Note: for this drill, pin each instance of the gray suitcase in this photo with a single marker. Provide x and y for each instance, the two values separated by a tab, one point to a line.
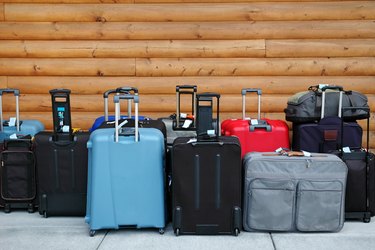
289	194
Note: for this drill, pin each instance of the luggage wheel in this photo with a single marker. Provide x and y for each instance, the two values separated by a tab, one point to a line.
92	233
7	208
366	220
236	232
45	214
161	230
30	208
177	232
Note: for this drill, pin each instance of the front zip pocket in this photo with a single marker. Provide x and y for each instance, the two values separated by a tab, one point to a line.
319	205
270	204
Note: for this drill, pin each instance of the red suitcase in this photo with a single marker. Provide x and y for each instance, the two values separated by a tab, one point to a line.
260	135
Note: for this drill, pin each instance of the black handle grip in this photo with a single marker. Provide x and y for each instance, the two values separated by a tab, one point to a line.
192	87
118	90
251	90
117	98
202	96
60	92
8	90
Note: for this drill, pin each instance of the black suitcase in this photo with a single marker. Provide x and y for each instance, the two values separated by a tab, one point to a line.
18	175
61	158
325	136
206	182
360	187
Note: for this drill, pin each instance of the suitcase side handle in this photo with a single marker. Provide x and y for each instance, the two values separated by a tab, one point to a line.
120	90
193	93
116	100
16	93
243	93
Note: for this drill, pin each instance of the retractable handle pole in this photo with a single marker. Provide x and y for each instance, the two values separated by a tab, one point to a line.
250	90
339	88
16	93
120	90
61	110
208	97
193	91
116	100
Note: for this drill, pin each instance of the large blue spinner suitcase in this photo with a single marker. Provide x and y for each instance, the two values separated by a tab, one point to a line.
126	176
19	128
110	118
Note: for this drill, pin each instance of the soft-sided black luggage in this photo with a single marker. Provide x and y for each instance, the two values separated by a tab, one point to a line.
206	182
17	175
325	136
307	106
61	158
360	187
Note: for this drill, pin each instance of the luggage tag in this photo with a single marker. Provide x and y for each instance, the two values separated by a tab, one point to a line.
187	123
346	150
12	122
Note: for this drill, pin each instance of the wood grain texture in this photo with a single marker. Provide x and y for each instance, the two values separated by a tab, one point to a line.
129	49
2	18
154	103
320	48
188	30
67	67
160	1
3	82
190	12
287	85
256	66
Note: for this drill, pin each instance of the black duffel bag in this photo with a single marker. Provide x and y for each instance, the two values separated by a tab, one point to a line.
306	106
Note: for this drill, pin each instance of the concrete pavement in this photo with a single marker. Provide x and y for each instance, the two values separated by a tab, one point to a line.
21	230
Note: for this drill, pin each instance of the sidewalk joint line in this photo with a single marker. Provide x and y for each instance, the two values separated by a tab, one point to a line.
273	242
105	235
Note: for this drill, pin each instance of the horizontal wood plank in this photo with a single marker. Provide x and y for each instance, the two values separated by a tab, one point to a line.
190	12
2	12
154	103
166	85
160	1
188	30
256	66
66	67
3	82
129	49
320	47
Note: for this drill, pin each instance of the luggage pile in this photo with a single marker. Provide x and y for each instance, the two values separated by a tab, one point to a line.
206	177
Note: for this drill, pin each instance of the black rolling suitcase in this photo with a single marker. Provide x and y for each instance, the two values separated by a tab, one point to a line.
61	158
17	175
206	180
360	187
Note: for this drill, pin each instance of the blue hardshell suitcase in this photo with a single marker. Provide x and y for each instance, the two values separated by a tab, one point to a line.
126	176
110	118
20	128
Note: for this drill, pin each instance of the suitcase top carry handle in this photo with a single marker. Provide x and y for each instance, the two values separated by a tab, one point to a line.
60	92
120	90
250	90
16	93
193	93
116	100
208	97
340	89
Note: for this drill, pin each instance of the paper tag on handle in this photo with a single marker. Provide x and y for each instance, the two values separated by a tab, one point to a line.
187	123
12	121
13	136
254	121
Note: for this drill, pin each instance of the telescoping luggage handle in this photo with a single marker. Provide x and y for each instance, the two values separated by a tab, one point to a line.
208	97
120	90
183	89
118	126
16	93
258	124
340	89
62	123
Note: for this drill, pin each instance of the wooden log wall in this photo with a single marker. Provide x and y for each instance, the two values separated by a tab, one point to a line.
89	46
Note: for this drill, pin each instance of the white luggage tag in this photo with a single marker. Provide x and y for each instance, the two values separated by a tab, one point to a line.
346	150
65	129
322	86
192	140
12	122
183	115
13	136
187	123
254	122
